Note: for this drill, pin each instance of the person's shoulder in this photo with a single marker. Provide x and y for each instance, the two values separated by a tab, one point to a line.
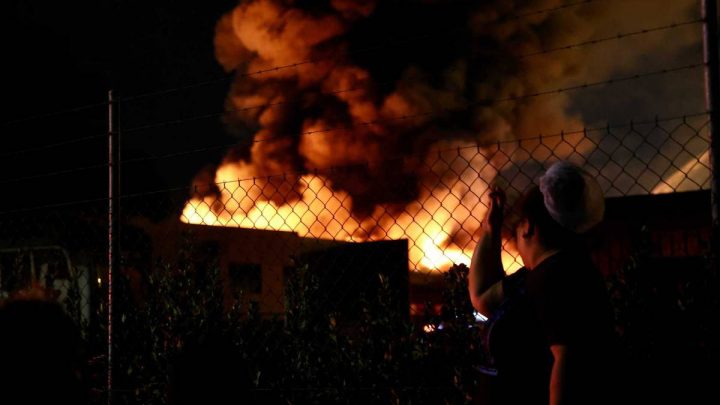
564	269
518	274
567	261
515	283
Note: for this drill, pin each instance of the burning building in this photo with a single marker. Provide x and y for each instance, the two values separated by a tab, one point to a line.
256	265
354	127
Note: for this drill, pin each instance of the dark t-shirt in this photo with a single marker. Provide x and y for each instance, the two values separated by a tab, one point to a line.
563	301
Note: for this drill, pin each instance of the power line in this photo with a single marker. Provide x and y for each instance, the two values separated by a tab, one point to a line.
271	105
600	83
297	64
517	98
431	113
553	9
54	113
53	145
611	38
605	128
239	109
183	87
273	68
541	137
178	154
53	174
591	42
51	206
608	127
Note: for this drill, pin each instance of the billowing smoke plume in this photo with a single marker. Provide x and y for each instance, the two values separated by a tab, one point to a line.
347	111
362	66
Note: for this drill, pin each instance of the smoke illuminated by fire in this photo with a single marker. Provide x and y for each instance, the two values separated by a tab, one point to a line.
389	188
325	85
439	225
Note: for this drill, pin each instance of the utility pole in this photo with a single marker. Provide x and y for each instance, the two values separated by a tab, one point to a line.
712	101
113	228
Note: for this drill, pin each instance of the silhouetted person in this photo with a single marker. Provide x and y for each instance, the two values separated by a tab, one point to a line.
40	355
552	327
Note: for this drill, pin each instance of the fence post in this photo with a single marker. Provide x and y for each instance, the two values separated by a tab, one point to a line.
712	101
113	211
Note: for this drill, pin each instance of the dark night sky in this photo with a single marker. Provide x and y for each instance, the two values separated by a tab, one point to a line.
62	55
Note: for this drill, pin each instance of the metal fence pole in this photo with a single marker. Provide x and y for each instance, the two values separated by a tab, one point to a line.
113	211
712	101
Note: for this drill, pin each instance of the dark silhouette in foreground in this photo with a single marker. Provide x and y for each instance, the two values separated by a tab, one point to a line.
40	355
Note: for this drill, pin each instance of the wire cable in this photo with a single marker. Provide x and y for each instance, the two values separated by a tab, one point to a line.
271	105
591	42
540	137
611	38
611	81
53	114
53	174
51	206
53	145
297	64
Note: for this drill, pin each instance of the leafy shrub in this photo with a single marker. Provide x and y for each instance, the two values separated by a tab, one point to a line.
308	355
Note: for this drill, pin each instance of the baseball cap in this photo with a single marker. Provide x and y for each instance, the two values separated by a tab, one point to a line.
572	197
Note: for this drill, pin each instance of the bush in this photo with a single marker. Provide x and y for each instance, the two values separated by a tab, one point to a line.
178	339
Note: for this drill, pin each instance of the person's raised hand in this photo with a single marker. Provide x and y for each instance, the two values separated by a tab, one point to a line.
494	215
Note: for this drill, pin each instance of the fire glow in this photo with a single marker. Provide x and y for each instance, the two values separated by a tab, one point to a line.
321	85
441	226
308	97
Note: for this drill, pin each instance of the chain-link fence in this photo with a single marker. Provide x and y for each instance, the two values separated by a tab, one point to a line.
273	267
296	213
291	251
281	266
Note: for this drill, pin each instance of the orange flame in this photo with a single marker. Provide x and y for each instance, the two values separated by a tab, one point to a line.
441	226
